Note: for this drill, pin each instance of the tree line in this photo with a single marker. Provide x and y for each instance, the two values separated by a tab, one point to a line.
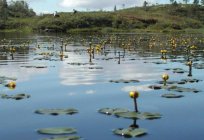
15	9
195	2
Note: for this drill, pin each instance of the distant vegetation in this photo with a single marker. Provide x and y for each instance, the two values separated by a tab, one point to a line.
162	18
12	14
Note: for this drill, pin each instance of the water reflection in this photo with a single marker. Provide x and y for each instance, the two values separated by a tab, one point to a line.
109	70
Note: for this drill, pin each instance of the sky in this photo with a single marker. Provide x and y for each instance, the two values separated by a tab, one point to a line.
50	6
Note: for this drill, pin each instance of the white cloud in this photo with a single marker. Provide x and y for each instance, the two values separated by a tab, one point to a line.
94	4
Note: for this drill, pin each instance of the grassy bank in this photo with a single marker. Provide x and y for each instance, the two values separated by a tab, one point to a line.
160	18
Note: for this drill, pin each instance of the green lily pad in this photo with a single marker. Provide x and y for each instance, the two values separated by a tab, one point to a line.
15	97
56	131
138	115
130	132
198	65
168	82
63	138
159	63
124	81
177	70
69	111
174	88
96	68
4	80
182	89
34	66
171	95
189	80
155	87
111	111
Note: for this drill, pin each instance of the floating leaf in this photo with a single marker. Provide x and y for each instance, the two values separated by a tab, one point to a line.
16	97
69	111
189	80
97	68
198	66
130	132
63	138
56	131
110	111
155	87
182	89
37	66
174	88
168	82
171	95
177	70
124	81
138	115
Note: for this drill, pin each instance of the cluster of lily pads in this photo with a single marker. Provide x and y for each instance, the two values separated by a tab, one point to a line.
59	133
52	53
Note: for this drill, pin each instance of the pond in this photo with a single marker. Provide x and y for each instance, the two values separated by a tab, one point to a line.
59	82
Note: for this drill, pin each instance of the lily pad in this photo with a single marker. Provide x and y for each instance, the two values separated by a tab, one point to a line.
124	81
168	82
37	66
177	70
63	138
189	80
111	111
198	65
171	95
138	115
130	132
4	80
15	97
155	87
182	89
69	111
97	68
57	131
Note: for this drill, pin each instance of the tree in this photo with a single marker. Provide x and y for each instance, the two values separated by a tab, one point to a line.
3	10
20	9
196	2
186	1
145	5
202	2
171	1
115	8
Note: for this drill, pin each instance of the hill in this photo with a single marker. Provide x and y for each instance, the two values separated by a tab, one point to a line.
159	18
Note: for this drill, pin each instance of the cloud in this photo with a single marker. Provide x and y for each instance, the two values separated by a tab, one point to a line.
94	4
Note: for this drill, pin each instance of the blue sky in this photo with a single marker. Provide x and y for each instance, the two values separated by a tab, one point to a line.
50	6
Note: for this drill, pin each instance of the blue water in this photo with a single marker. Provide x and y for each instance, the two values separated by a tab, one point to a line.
62	85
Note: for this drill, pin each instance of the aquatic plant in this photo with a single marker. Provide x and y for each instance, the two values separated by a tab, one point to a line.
165	77
134	95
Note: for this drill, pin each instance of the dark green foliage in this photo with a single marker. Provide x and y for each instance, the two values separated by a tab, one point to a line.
196	2
172	1
186	1
202	2
20	9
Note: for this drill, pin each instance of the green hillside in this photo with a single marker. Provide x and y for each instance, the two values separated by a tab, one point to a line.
159	18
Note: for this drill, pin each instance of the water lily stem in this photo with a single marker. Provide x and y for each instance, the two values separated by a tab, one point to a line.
190	70
135	103
119	58
164	82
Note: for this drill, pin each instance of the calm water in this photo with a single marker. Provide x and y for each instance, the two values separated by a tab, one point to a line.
62	85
